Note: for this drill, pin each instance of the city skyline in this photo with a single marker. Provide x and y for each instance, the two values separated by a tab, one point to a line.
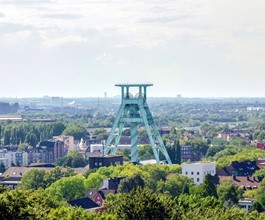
203	49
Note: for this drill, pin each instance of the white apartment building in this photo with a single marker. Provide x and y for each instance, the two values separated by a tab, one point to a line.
197	171
10	156
14	158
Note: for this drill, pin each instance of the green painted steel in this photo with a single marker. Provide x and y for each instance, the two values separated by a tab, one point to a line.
134	111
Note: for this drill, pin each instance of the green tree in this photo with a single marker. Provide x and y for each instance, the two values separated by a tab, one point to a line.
72	159
198	145
93	181
213	150
77	131
23	147
174	151
173	186
33	179
131	183
229	193
75	213
142	204
31	139
7	136
68	188
53	176
208	187
259	173
100	133
145	152
260	196
27	204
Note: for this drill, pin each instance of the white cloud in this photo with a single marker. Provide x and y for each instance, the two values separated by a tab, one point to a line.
59	41
140	35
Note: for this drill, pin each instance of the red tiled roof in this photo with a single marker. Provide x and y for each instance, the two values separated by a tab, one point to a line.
252	182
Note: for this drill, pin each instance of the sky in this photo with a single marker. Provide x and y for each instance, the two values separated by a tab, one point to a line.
81	48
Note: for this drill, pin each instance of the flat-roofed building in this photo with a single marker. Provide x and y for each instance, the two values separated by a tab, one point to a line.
100	161
189	154
197	171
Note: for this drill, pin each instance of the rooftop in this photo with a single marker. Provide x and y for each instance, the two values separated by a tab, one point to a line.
200	163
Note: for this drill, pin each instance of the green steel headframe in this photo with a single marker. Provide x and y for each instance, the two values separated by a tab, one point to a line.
134	111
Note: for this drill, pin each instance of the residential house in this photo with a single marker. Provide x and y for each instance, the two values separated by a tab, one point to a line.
11	182
245	182
85	203
108	186
245	168
246	203
228	134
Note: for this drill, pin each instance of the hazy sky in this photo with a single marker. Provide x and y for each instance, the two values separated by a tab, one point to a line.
81	48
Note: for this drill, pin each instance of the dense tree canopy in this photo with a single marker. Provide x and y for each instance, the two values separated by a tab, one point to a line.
68	188
76	130
30	133
33	179
72	159
131	183
229	193
38	178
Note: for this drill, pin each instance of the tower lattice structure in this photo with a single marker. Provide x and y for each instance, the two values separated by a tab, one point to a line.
134	111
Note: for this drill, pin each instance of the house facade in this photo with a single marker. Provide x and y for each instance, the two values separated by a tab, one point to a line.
197	171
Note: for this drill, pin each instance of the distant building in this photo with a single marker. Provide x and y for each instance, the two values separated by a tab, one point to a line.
246	203
4	161
111	184
10	157
164	130
189	154
197	171
85	203
22	158
57	101
100	161
261	145
245	168
68	141
6	108
228	134
52	150
11	182
245	182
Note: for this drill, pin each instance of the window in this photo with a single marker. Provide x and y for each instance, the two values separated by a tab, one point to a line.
198	179
198	173
186	172
191	173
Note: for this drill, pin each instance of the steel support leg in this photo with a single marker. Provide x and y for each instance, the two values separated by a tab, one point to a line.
134	142
149	133
111	135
